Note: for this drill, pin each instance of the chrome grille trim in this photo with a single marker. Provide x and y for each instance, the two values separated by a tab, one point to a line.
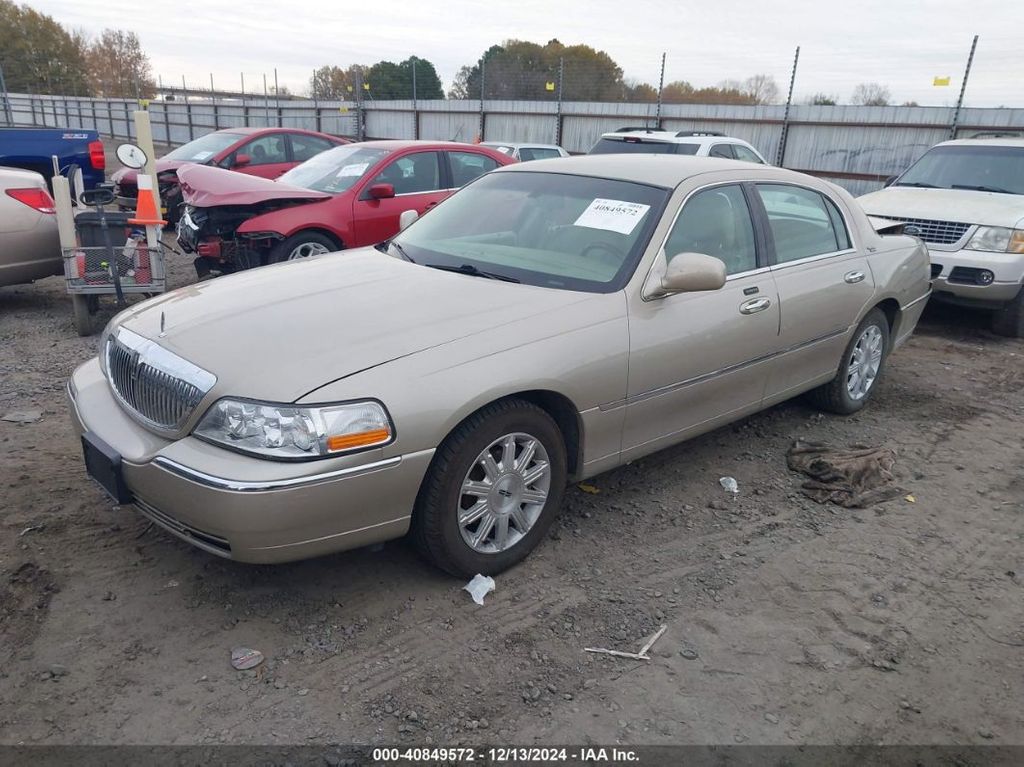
940	232
156	386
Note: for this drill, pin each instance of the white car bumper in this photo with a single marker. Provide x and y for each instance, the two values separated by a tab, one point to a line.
971	276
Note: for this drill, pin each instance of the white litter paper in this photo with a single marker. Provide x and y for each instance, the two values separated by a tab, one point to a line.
202	155
479	587
356	169
613	215
729	484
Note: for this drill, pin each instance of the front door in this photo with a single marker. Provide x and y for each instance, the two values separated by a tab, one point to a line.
824	284
417	181
699	359
268	156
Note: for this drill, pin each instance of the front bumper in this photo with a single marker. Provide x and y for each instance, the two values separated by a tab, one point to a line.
955	286
244	508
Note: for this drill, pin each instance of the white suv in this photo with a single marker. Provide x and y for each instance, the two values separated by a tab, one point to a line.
697	143
965	199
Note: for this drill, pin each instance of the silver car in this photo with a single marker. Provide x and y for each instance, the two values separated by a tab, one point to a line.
547	323
29	244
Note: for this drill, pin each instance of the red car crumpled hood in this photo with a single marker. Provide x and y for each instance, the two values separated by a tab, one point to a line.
207	187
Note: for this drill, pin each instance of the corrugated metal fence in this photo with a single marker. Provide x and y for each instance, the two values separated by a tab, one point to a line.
855	146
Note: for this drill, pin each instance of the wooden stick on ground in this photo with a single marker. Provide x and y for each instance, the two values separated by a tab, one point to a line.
642	655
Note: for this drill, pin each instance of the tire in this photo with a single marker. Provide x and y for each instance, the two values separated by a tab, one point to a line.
83	311
301	245
437	531
1009	319
843	396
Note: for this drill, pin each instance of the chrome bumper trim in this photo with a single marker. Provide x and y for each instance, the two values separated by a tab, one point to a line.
916	301
245	486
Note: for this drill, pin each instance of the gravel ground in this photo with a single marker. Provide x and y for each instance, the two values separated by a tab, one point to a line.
788	622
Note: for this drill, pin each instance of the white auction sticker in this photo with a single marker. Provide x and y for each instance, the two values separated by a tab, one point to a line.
203	155
613	215
356	169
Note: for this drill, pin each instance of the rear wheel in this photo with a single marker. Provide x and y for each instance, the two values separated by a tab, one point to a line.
84	307
859	369
301	245
492	490
1009	320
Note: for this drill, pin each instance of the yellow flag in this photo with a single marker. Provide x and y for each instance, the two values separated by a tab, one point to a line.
143	103
549	86
366	86
940	81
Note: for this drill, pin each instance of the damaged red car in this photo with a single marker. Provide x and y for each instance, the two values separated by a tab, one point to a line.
264	152
346	197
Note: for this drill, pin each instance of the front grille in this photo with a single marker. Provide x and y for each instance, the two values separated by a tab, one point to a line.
939	232
208	541
160	387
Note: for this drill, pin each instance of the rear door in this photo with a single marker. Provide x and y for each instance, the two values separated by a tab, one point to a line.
464	166
419	184
823	280
697	358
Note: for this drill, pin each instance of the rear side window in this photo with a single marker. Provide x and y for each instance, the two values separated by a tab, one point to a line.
742	153
305	147
803	222
687	148
466	166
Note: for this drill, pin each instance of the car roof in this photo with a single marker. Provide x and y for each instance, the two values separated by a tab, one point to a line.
673	137
249	131
520	144
657	169
1006	141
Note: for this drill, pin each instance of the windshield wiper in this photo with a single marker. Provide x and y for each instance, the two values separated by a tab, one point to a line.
919	184
383	248
982	188
472	271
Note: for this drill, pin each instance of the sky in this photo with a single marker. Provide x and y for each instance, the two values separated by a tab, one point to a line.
902	44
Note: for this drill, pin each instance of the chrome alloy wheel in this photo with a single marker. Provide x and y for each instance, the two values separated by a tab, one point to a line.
503	493
306	249
865	360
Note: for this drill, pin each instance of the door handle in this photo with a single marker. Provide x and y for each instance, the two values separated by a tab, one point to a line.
853	277
755	305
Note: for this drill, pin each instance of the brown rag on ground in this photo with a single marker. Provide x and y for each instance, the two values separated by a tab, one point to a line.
855	478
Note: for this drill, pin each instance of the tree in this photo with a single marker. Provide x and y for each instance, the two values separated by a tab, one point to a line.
38	55
518	69
334	83
871	95
118	67
762	89
726	92
395	81
822	99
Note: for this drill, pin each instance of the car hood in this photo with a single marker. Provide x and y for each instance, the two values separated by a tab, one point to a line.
278	332
128	175
207	187
963	205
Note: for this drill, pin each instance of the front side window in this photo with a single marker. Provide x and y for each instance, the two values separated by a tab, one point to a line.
716	222
801	223
548	229
265	150
722	150
415	173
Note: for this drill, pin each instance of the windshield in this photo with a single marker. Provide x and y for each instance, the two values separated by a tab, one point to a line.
981	168
203	149
546	229
335	170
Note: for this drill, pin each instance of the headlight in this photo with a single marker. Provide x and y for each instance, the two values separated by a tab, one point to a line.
997	239
289	432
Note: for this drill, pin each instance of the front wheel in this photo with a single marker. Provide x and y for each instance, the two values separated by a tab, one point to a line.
301	245
492	490
1008	320
859	369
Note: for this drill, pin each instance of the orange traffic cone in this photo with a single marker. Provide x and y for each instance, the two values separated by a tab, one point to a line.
145	207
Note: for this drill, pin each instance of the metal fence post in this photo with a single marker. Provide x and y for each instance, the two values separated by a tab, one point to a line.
213	102
8	113
784	136
415	111
483	72
277	98
316	104
661	88
963	89
360	121
127	121
558	109
188	108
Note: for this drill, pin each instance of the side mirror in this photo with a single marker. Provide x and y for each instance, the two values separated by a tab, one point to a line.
407	217
382	191
241	160
889	181
687	273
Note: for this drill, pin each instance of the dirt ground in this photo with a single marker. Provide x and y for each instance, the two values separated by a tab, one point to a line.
788	622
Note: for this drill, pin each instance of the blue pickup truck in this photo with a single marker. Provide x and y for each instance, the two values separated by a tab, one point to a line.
33	148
